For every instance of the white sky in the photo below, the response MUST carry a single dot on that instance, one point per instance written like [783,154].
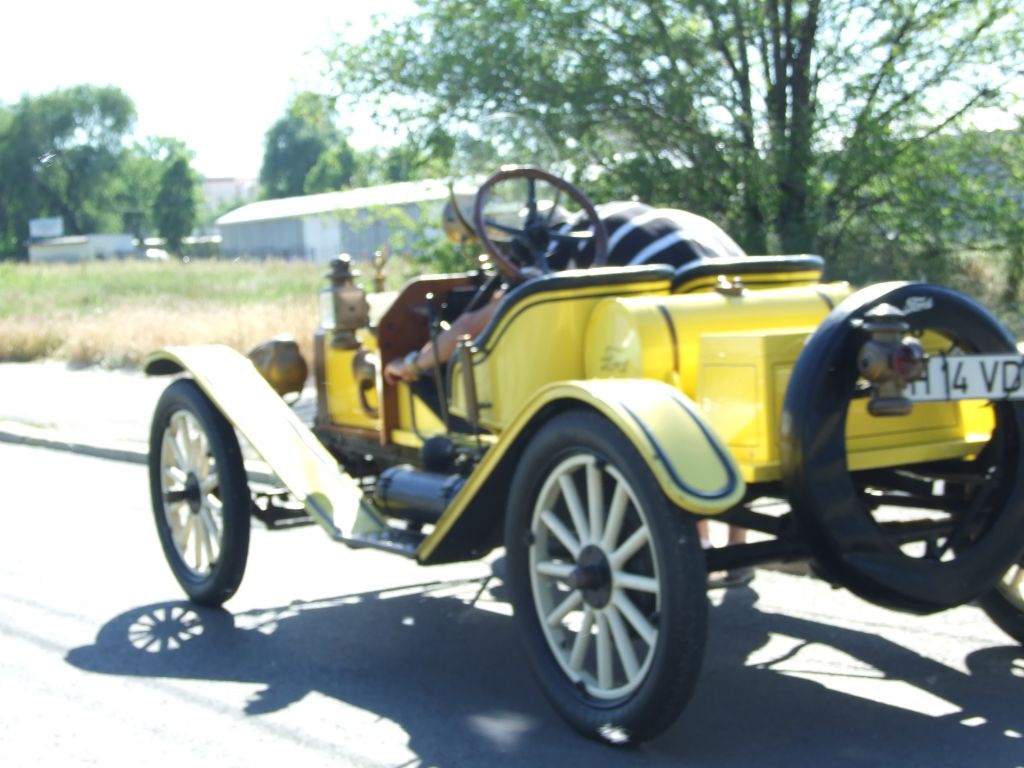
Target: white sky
[214,74]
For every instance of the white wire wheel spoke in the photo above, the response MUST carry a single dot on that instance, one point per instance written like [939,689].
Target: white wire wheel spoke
[616,514]
[174,475]
[569,604]
[636,582]
[605,667]
[581,644]
[209,483]
[172,444]
[595,500]
[195,443]
[623,643]
[575,506]
[206,542]
[560,571]
[205,462]
[182,532]
[562,533]
[182,433]
[212,526]
[636,541]
[643,627]
[197,537]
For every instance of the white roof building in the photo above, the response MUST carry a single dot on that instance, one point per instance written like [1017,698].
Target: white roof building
[319,227]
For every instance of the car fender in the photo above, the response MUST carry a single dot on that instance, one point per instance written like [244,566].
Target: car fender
[283,441]
[688,460]
[692,465]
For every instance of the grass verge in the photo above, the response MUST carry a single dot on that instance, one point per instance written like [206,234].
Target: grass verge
[116,313]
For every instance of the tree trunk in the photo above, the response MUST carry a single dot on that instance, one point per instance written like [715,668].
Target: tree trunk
[793,221]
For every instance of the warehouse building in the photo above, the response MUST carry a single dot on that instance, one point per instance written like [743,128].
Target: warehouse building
[319,227]
[76,248]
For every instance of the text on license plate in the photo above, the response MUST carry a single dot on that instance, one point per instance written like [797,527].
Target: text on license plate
[971,377]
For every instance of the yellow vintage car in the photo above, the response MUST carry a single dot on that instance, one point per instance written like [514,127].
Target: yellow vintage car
[596,419]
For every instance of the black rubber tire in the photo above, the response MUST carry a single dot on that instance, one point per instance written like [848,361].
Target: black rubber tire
[672,661]
[223,576]
[845,541]
[1005,607]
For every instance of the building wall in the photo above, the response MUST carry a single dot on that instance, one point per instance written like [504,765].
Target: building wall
[321,237]
[276,238]
[368,232]
[111,246]
[64,249]
[82,248]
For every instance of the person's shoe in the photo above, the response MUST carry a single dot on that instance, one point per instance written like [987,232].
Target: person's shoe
[736,577]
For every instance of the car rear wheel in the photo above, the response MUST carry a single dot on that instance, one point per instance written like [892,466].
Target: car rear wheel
[919,536]
[200,494]
[607,579]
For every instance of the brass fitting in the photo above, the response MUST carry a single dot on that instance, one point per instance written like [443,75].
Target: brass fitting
[889,361]
[351,309]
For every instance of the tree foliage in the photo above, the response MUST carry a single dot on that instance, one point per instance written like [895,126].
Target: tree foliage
[58,154]
[334,169]
[174,208]
[306,152]
[65,154]
[295,144]
[781,119]
[137,182]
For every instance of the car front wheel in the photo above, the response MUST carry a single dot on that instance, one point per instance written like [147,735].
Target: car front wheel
[200,494]
[607,580]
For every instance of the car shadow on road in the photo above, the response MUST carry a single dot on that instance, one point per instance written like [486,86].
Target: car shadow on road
[442,661]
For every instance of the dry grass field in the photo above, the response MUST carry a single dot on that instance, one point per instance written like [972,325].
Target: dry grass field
[115,313]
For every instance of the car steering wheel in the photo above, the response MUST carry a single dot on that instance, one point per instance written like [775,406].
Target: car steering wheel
[536,233]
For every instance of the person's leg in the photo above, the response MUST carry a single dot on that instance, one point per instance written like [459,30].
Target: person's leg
[702,531]
[734,577]
[425,388]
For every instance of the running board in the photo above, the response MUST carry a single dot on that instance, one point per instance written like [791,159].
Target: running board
[395,540]
[294,454]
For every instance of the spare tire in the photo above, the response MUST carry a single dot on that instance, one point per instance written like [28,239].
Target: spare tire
[976,512]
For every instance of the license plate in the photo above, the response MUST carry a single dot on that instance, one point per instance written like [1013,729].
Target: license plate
[970,377]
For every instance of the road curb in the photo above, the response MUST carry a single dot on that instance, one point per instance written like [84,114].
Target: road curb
[43,439]
[17,434]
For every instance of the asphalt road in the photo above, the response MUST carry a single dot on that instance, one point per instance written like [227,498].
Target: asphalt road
[333,657]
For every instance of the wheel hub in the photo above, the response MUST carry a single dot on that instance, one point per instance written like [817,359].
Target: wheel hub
[593,576]
[192,495]
[538,236]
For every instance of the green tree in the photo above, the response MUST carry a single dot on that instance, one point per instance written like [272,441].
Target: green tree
[8,229]
[418,157]
[334,169]
[58,154]
[137,180]
[990,211]
[295,143]
[779,118]
[174,209]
